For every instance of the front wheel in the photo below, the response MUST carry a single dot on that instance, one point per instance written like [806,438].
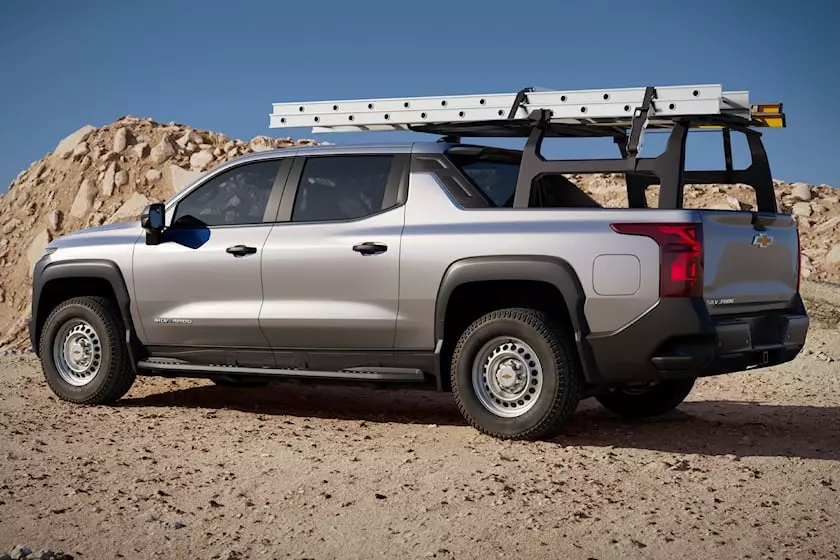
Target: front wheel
[515,375]
[647,401]
[82,354]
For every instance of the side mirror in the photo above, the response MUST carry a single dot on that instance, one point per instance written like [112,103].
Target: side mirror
[152,220]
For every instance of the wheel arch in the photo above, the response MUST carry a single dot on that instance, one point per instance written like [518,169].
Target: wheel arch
[536,268]
[52,277]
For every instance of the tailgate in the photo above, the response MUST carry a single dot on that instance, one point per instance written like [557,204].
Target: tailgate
[750,261]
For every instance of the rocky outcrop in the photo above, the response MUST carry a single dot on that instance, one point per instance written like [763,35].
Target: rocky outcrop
[97,176]
[67,145]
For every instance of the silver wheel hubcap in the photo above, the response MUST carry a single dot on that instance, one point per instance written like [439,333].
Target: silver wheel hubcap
[77,352]
[507,377]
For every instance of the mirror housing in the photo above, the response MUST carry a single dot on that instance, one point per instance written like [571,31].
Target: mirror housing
[152,220]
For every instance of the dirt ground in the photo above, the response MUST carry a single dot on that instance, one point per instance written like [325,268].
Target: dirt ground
[748,467]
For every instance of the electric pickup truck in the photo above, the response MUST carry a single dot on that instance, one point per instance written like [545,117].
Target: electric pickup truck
[448,265]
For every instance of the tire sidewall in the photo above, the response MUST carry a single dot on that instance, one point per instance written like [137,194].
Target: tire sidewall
[552,378]
[103,331]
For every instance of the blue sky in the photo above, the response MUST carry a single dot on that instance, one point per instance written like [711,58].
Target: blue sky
[219,65]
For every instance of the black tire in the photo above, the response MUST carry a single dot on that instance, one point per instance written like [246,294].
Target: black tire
[231,381]
[658,399]
[114,376]
[561,374]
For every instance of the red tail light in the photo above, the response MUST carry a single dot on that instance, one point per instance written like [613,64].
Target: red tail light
[680,256]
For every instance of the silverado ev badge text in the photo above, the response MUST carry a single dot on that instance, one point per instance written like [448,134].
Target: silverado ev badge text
[173,321]
[762,240]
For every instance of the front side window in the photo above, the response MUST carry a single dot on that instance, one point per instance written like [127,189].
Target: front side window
[236,197]
[341,187]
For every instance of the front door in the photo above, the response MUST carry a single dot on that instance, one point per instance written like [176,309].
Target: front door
[201,286]
[331,270]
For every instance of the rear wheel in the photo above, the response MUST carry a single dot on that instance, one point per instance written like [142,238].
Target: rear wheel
[515,375]
[647,401]
[82,354]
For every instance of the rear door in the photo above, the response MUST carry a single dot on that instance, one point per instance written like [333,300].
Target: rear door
[331,270]
[750,261]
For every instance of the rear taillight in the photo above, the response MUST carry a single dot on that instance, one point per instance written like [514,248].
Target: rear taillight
[680,255]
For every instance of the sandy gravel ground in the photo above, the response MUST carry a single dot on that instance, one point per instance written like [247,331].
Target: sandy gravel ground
[749,467]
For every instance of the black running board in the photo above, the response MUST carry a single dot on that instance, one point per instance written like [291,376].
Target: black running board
[402,375]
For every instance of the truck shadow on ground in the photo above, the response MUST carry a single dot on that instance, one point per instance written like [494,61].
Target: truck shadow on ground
[697,427]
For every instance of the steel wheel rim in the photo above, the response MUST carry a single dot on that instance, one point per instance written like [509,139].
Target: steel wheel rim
[507,377]
[77,352]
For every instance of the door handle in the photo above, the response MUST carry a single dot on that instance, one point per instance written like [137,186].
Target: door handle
[241,250]
[370,248]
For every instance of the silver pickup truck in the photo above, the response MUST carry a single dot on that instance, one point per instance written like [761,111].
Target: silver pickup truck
[446,265]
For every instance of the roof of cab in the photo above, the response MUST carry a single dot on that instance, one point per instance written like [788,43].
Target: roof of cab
[362,148]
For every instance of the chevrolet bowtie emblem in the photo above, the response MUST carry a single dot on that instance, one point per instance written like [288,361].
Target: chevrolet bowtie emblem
[762,240]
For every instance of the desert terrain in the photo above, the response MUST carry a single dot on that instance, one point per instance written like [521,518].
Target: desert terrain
[748,467]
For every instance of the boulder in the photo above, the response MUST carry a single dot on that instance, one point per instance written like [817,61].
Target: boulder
[106,187]
[801,191]
[132,207]
[84,199]
[802,209]
[180,177]
[80,149]
[54,218]
[69,143]
[120,140]
[153,175]
[36,248]
[200,160]
[733,202]
[189,136]
[163,150]
[141,150]
[832,259]
[261,143]
[829,225]
[120,178]
[11,225]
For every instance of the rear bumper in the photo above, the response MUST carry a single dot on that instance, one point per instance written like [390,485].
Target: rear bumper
[678,338]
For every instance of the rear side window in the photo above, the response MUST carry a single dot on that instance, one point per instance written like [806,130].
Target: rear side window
[342,187]
[495,179]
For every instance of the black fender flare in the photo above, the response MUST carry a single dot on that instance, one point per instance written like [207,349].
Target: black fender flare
[46,272]
[552,270]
